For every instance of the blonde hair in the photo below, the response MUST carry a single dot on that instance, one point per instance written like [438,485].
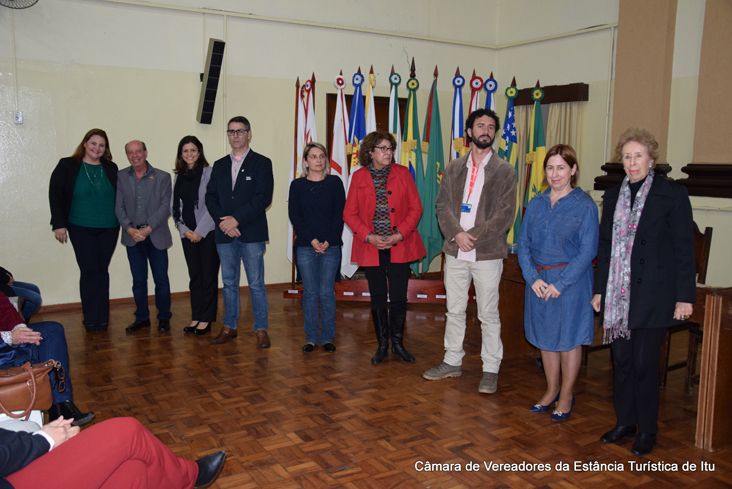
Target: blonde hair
[306,151]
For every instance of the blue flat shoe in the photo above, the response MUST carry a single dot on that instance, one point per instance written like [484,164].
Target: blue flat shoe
[540,408]
[559,416]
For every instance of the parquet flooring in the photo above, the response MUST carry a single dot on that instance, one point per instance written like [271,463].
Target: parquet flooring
[320,420]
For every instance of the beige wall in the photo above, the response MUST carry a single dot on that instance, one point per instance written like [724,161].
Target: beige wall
[644,60]
[684,84]
[714,104]
[133,70]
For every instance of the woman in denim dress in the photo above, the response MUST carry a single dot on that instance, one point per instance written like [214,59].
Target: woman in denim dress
[557,244]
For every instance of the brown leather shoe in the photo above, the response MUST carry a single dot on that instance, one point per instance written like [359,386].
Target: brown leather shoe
[262,338]
[225,335]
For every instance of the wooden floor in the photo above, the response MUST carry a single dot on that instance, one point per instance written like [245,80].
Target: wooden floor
[291,420]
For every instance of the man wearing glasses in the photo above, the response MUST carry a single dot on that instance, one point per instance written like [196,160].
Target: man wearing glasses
[237,197]
[475,208]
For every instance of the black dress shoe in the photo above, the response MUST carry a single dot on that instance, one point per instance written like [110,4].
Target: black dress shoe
[329,347]
[191,328]
[137,325]
[617,434]
[308,347]
[209,468]
[68,410]
[643,444]
[202,331]
[163,325]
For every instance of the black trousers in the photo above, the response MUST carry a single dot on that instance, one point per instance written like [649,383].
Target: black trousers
[635,364]
[388,280]
[94,248]
[203,270]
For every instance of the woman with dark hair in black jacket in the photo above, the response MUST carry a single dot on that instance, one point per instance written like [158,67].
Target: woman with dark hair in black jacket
[81,195]
[196,228]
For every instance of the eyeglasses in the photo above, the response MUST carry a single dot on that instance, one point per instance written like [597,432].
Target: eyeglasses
[237,132]
[385,149]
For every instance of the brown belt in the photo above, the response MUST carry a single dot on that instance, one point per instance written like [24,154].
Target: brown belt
[540,268]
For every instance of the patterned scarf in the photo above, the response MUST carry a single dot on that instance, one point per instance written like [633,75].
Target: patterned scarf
[381,220]
[617,295]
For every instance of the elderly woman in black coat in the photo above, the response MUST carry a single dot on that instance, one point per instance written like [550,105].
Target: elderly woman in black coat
[645,281]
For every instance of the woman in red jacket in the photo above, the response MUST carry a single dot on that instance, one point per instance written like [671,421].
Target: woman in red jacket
[383,209]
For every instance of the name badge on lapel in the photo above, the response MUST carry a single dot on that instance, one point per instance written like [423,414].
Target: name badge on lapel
[248,178]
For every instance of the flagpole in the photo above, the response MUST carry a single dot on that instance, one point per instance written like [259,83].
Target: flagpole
[294,172]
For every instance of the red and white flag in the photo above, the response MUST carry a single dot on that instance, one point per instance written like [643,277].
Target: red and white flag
[305,132]
[476,86]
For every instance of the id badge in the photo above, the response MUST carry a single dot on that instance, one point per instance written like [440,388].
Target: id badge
[465,207]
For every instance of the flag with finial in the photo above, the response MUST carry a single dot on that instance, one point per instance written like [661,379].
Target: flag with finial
[308,103]
[339,166]
[297,148]
[357,131]
[428,182]
[458,147]
[411,147]
[490,86]
[508,151]
[476,85]
[535,148]
[370,109]
[395,125]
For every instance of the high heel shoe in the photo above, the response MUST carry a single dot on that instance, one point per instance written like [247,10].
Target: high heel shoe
[202,331]
[191,327]
[559,416]
[540,408]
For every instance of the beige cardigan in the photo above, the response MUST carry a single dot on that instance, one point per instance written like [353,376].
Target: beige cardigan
[495,209]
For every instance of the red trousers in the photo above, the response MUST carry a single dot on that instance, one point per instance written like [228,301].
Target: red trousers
[119,453]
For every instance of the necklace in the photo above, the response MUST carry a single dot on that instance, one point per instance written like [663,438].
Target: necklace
[95,181]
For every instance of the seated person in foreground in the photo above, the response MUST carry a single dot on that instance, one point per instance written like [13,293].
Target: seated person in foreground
[116,453]
[36,343]
[29,294]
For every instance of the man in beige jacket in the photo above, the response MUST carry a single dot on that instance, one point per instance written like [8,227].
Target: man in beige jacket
[475,208]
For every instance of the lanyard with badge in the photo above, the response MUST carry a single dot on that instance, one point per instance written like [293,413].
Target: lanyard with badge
[467,206]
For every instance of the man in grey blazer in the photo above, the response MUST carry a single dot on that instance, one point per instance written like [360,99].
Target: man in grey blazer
[143,208]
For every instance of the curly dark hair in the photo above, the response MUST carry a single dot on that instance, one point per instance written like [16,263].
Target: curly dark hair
[370,142]
[476,114]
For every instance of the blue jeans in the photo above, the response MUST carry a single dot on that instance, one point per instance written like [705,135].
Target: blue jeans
[53,346]
[318,272]
[139,256]
[31,295]
[252,254]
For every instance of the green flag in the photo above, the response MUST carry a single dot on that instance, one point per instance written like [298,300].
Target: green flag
[428,183]
[536,149]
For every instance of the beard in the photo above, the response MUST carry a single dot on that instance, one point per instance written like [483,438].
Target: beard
[484,142]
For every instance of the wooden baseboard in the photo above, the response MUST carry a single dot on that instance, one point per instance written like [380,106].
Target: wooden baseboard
[73,306]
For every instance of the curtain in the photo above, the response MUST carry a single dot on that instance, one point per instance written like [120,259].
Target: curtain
[562,124]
